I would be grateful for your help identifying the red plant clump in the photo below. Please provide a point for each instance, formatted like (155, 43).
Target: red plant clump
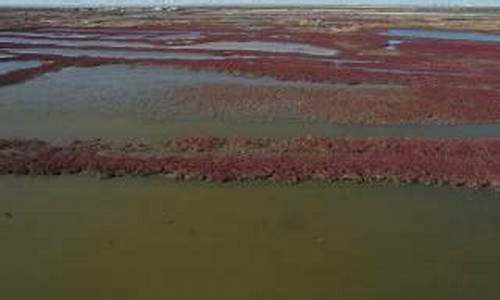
(456, 162)
(198, 144)
(454, 49)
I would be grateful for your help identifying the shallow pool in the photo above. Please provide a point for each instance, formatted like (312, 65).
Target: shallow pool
(445, 35)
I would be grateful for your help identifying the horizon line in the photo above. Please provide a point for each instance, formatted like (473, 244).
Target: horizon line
(259, 6)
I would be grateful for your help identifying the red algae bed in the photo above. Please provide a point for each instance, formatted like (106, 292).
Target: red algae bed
(474, 163)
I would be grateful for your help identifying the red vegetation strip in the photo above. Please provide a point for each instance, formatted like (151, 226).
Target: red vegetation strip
(456, 162)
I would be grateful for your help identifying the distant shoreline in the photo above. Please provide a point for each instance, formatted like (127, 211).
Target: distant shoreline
(308, 6)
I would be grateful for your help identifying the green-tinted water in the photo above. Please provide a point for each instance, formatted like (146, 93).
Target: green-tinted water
(81, 238)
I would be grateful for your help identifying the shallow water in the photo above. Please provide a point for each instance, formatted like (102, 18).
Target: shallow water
(410, 72)
(179, 36)
(74, 43)
(105, 34)
(119, 54)
(273, 47)
(445, 35)
(157, 36)
(89, 126)
(68, 35)
(9, 66)
(6, 56)
(392, 45)
(81, 238)
(117, 102)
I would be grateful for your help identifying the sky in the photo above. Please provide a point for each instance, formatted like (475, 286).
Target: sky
(240, 2)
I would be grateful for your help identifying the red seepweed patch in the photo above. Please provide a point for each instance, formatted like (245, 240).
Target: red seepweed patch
(428, 161)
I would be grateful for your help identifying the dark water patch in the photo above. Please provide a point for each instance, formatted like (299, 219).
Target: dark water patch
(444, 35)
(80, 238)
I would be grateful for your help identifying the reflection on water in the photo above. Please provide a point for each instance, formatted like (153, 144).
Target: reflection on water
(445, 35)
(81, 238)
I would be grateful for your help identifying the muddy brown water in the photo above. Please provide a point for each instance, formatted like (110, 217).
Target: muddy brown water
(82, 238)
